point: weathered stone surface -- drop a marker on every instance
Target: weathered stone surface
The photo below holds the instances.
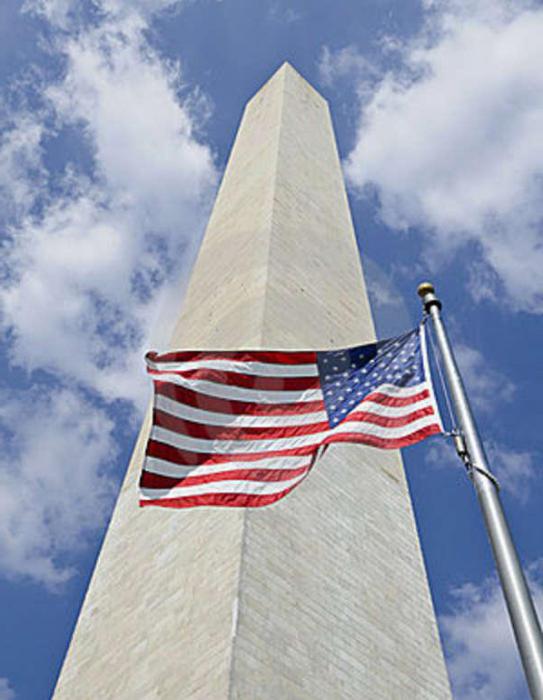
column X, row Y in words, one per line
column 322, row 596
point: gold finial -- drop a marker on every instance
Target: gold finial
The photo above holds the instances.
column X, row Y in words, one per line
column 425, row 288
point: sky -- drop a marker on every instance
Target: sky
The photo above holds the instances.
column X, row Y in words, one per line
column 116, row 120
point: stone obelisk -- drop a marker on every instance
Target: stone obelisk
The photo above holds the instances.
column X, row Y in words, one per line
column 323, row 595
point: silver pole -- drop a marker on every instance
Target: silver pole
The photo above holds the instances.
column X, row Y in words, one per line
column 517, row 596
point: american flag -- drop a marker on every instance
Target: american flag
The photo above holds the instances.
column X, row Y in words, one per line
column 244, row 428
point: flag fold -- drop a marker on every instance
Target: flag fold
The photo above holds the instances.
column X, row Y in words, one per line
column 244, row 428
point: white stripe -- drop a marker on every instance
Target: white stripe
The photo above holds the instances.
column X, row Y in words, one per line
column 263, row 369
column 232, row 420
column 255, row 488
column 198, row 415
column 400, row 391
column 237, row 393
column 192, row 444
column 166, row 468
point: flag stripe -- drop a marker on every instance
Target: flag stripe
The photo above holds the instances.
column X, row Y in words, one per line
column 387, row 443
column 235, row 432
column 219, row 405
column 279, row 357
column 181, row 410
column 219, row 390
column 226, row 500
column 153, row 480
column 269, row 418
column 176, row 455
column 277, row 445
column 229, row 486
column 233, row 379
column 262, row 369
column 179, row 471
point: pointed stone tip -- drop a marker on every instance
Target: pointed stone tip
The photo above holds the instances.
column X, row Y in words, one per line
column 286, row 68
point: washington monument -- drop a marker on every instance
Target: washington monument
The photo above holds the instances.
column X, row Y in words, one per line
column 324, row 595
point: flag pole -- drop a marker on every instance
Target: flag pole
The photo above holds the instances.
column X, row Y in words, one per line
column 470, row 448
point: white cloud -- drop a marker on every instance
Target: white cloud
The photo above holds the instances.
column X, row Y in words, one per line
column 452, row 142
column 21, row 169
column 483, row 660
column 87, row 256
column 288, row 15
column 54, row 483
column 56, row 12
column 124, row 96
column 347, row 62
column 6, row 691
column 83, row 277
column 487, row 387
column 65, row 14
column 514, row 469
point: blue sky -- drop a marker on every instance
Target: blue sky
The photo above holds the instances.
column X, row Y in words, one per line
column 116, row 121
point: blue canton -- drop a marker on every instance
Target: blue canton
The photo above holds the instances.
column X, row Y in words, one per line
column 348, row 376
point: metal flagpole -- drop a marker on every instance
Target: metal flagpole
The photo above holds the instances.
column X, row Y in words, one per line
column 469, row 446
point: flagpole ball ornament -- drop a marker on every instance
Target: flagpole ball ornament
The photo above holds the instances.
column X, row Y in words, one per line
column 427, row 293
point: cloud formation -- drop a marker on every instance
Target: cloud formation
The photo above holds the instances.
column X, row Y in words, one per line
column 451, row 142
column 486, row 386
column 90, row 246
column 483, row 660
column 6, row 691
column 80, row 278
column 515, row 469
column 55, row 486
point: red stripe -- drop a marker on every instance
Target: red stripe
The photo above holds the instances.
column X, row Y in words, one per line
column 250, row 500
column 223, row 432
column 211, row 403
column 190, row 459
column 205, row 431
column 383, row 443
column 276, row 358
column 151, row 480
column 386, row 400
column 246, row 381
column 229, row 500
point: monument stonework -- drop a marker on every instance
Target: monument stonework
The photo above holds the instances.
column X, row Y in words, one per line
column 322, row 596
